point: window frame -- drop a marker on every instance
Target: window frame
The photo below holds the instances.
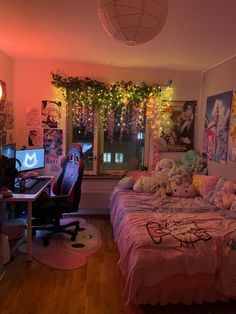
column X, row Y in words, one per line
column 98, row 142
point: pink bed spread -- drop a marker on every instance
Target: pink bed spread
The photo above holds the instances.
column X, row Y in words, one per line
column 155, row 245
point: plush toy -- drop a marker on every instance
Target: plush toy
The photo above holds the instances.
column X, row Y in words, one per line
column 163, row 190
column 163, row 167
column 146, row 185
column 189, row 159
column 201, row 166
column 179, row 176
column 226, row 196
column 165, row 163
column 182, row 190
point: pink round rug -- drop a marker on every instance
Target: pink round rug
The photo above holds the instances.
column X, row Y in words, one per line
column 62, row 253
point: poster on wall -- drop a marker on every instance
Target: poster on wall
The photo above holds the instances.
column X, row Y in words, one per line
column 216, row 130
column 33, row 116
column 9, row 136
column 52, row 142
column 51, row 114
column 9, row 115
column 178, row 134
column 35, row 137
column 3, row 95
column 232, row 130
column 3, row 135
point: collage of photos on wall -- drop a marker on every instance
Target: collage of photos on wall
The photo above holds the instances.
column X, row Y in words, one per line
column 219, row 137
column 43, row 130
column 178, row 134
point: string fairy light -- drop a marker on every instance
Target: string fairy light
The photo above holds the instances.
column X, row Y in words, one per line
column 121, row 105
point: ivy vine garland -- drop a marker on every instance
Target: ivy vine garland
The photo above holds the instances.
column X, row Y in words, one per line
column 123, row 106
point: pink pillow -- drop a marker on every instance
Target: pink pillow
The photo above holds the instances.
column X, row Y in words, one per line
column 204, row 184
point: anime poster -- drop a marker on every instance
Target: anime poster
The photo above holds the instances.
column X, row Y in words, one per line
column 177, row 134
column 3, row 134
column 3, row 95
column 52, row 143
column 35, row 137
column 9, row 136
column 6, row 116
column 51, row 114
column 216, row 131
column 232, row 130
column 33, row 116
column 9, row 116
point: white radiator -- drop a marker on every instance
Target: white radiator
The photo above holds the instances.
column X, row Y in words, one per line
column 95, row 202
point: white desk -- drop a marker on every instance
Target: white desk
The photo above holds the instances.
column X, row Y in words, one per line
column 29, row 199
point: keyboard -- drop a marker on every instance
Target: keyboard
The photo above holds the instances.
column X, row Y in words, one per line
column 36, row 185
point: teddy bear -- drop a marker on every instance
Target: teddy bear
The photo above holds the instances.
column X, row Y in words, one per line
column 226, row 196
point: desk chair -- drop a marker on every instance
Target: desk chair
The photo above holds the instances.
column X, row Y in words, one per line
column 67, row 190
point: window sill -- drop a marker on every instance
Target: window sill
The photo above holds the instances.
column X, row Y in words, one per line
column 102, row 177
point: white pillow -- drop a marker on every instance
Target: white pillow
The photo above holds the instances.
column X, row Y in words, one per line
column 146, row 185
column 126, row 183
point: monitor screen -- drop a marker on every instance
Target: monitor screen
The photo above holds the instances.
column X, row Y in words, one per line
column 8, row 150
column 30, row 159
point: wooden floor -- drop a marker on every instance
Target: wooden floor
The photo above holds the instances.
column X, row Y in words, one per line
column 93, row 289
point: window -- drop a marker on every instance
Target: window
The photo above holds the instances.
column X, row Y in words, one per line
column 101, row 155
column 107, row 157
column 119, row 157
column 114, row 117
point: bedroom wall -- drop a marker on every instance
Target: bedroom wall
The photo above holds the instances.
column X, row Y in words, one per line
column 220, row 78
column 33, row 84
column 6, row 75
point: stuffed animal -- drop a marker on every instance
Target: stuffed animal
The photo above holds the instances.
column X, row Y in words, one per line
column 201, row 166
column 165, row 163
column 163, row 190
column 226, row 196
column 189, row 159
column 146, row 185
column 179, row 176
column 182, row 190
column 163, row 167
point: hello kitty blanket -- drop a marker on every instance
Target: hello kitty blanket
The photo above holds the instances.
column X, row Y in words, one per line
column 156, row 245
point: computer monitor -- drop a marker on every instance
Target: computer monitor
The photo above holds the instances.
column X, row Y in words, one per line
column 30, row 159
column 8, row 150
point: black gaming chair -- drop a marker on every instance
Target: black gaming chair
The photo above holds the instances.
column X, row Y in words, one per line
column 67, row 190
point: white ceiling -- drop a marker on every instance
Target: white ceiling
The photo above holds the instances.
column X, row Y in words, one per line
column 198, row 34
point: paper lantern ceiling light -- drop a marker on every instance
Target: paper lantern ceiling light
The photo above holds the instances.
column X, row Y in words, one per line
column 133, row 21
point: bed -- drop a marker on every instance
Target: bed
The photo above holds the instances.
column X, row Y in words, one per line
column 173, row 250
